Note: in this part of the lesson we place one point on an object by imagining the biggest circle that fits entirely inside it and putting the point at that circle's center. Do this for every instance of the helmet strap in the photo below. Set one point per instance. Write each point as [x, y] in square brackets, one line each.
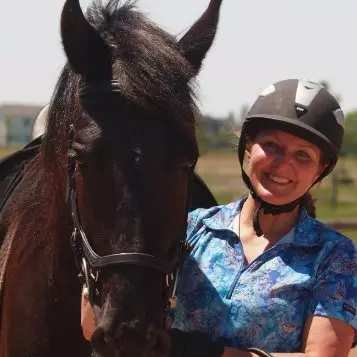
[265, 207]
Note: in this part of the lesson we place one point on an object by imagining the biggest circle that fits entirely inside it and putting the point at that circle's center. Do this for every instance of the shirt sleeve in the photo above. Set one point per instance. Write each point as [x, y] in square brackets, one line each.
[335, 289]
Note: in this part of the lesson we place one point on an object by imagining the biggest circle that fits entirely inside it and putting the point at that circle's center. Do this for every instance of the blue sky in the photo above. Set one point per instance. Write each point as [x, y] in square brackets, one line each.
[258, 42]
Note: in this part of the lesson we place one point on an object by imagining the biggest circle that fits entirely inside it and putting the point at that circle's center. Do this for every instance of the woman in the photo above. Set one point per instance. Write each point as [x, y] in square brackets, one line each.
[262, 272]
[263, 276]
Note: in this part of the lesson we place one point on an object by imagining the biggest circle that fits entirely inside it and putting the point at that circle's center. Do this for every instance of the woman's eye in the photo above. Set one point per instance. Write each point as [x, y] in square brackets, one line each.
[271, 145]
[302, 155]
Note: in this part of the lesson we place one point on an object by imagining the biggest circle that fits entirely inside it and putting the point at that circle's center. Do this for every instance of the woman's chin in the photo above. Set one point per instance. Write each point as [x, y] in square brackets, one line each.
[274, 198]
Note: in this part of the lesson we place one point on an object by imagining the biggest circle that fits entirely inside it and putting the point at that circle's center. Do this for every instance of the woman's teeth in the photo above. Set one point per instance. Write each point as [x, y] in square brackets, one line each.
[277, 179]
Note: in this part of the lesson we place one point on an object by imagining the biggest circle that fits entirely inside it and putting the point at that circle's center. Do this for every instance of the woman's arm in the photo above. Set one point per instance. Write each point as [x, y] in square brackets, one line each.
[327, 336]
[322, 337]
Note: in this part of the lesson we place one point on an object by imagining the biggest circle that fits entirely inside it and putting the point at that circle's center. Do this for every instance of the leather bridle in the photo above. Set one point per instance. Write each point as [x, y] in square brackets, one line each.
[90, 263]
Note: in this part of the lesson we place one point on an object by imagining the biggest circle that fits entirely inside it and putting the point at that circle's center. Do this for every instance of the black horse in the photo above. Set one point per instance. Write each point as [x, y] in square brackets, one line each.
[113, 173]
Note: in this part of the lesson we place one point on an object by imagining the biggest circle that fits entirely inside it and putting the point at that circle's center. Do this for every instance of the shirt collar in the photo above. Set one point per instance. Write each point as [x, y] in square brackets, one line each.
[304, 234]
[224, 217]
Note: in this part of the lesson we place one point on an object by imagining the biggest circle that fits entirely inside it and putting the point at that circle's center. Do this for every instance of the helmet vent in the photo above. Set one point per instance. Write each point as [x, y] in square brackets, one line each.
[300, 111]
[340, 118]
[306, 92]
[268, 90]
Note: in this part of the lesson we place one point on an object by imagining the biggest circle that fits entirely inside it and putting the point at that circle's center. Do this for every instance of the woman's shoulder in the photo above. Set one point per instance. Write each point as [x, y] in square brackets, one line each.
[196, 218]
[214, 218]
[217, 216]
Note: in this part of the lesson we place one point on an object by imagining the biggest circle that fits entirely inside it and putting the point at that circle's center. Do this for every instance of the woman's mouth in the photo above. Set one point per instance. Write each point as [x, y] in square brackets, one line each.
[277, 179]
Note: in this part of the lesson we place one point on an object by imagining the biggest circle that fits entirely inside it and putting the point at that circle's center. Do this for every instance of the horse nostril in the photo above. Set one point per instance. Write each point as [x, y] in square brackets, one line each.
[130, 339]
[160, 344]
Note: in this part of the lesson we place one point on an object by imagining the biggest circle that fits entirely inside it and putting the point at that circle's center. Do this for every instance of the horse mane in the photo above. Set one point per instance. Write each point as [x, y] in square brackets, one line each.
[39, 207]
[151, 73]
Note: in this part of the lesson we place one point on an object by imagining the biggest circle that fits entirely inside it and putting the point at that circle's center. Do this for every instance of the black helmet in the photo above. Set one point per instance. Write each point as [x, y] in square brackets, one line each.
[301, 108]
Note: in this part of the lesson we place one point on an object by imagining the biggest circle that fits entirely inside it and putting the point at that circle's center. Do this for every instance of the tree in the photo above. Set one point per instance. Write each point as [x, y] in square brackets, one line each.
[350, 139]
[203, 141]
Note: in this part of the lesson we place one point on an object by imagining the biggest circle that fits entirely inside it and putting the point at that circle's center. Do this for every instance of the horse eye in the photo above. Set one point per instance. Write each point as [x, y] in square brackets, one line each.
[188, 166]
[190, 161]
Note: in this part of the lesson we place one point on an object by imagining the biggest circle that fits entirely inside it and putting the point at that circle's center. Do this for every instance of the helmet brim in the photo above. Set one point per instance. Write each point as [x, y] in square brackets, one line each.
[296, 128]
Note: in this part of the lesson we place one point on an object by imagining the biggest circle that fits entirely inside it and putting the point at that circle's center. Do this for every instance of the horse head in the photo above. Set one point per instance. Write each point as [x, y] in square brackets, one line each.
[129, 149]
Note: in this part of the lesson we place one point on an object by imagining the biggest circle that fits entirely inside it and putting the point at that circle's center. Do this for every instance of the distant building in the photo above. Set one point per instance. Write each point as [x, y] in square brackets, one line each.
[16, 123]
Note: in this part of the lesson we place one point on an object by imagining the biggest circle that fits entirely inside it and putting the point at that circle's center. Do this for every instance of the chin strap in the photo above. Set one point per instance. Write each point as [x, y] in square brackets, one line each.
[265, 207]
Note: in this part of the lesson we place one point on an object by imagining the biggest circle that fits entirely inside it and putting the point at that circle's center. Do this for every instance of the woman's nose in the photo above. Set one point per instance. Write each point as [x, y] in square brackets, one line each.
[282, 157]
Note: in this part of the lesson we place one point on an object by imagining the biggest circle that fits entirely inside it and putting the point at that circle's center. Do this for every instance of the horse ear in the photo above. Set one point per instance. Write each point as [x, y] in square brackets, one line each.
[87, 53]
[199, 38]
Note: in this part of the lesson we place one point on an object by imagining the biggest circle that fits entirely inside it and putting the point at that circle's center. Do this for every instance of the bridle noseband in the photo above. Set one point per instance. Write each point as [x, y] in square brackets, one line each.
[89, 262]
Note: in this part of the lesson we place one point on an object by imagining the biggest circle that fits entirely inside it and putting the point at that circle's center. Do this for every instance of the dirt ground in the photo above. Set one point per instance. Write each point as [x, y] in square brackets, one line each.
[353, 353]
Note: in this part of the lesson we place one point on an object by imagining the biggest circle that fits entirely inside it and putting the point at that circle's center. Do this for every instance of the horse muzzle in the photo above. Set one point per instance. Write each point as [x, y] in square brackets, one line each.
[130, 339]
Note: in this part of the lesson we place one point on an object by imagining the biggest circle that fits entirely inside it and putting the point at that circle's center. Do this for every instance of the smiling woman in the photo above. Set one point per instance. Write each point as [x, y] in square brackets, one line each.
[264, 276]
[282, 167]
[293, 119]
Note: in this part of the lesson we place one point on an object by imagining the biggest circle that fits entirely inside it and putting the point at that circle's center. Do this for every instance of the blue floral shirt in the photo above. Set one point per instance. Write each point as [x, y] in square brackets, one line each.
[312, 270]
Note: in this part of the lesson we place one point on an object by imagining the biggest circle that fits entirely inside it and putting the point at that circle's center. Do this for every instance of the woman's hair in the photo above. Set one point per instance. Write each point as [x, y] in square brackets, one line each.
[308, 202]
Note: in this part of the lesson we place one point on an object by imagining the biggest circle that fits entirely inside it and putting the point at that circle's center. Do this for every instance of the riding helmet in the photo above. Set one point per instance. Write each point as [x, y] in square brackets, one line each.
[301, 108]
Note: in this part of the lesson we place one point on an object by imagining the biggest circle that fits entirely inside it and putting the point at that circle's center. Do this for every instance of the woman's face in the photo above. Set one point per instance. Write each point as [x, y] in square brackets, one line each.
[281, 166]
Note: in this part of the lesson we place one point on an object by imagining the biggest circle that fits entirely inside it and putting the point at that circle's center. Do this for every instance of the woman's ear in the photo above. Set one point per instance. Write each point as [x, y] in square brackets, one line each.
[248, 149]
[322, 168]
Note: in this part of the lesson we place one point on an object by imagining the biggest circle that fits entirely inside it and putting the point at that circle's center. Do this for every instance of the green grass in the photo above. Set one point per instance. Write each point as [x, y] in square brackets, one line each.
[346, 206]
[344, 210]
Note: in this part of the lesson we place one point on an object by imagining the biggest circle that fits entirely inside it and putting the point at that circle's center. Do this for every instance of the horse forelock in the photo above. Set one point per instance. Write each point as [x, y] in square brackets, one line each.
[147, 62]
